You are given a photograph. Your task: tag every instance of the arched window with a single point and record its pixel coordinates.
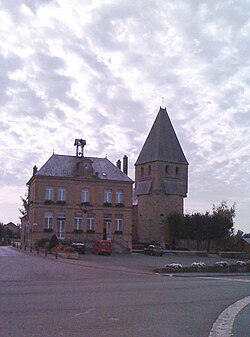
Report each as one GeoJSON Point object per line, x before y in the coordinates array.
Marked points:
{"type": "Point", "coordinates": [142, 171]}
{"type": "Point", "coordinates": [149, 170]}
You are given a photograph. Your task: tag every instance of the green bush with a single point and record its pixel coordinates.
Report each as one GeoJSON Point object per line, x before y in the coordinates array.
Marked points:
{"type": "Point", "coordinates": [42, 242]}
{"type": "Point", "coordinates": [53, 241]}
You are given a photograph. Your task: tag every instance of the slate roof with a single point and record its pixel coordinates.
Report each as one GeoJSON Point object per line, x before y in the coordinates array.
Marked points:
{"type": "Point", "coordinates": [162, 143]}
{"type": "Point", "coordinates": [174, 187]}
{"type": "Point", "coordinates": [143, 187]}
{"type": "Point", "coordinates": [247, 240]}
{"type": "Point", "coordinates": [64, 166]}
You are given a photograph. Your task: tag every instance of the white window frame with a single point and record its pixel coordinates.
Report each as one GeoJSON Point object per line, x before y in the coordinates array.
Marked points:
{"type": "Point", "coordinates": [85, 195]}
{"type": "Point", "coordinates": [49, 193]}
{"type": "Point", "coordinates": [91, 222]}
{"type": "Point", "coordinates": [107, 196]}
{"type": "Point", "coordinates": [61, 228]}
{"type": "Point", "coordinates": [118, 223]}
{"type": "Point", "coordinates": [61, 195]}
{"type": "Point", "coordinates": [48, 216]}
{"type": "Point", "coordinates": [118, 197]}
{"type": "Point", "coordinates": [78, 223]}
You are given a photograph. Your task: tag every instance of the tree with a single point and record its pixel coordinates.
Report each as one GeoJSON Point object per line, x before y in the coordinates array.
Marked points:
{"type": "Point", "coordinates": [222, 221]}
{"type": "Point", "coordinates": [25, 205]}
{"type": "Point", "coordinates": [1, 231]}
{"type": "Point", "coordinates": [198, 227]}
{"type": "Point", "coordinates": [175, 227]}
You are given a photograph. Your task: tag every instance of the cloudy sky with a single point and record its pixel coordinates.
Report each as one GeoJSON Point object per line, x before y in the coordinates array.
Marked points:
{"type": "Point", "coordinates": [98, 69]}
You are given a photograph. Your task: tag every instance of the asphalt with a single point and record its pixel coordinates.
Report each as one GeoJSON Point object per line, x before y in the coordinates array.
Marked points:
{"type": "Point", "coordinates": [137, 263]}
{"type": "Point", "coordinates": [143, 264]}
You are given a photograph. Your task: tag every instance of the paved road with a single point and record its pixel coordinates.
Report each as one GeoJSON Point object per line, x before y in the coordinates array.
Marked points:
{"type": "Point", "coordinates": [44, 297]}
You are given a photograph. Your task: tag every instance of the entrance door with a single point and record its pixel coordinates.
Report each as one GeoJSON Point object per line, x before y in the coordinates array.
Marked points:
{"type": "Point", "coordinates": [60, 229]}
{"type": "Point", "coordinates": [107, 230]}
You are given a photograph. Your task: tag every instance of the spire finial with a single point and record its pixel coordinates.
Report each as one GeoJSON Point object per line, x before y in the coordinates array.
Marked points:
{"type": "Point", "coordinates": [163, 106]}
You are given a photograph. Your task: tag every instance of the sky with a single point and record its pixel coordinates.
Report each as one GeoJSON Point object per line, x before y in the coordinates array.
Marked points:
{"type": "Point", "coordinates": [98, 69]}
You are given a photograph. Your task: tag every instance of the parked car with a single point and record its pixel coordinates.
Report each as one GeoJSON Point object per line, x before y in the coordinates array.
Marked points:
{"type": "Point", "coordinates": [102, 247]}
{"type": "Point", "coordinates": [153, 250]}
{"type": "Point", "coordinates": [79, 247]}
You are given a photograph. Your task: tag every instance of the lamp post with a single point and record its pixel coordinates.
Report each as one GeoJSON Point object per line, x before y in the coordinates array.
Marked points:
{"type": "Point", "coordinates": [31, 234]}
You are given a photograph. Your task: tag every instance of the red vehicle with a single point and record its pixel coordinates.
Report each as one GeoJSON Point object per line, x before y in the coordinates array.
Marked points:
{"type": "Point", "coordinates": [102, 247]}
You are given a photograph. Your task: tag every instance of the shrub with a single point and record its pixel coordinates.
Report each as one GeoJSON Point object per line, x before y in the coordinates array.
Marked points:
{"type": "Point", "coordinates": [173, 266]}
{"type": "Point", "coordinates": [199, 265]}
{"type": "Point", "coordinates": [42, 242]}
{"type": "Point", "coordinates": [69, 249]}
{"type": "Point", "coordinates": [53, 241]}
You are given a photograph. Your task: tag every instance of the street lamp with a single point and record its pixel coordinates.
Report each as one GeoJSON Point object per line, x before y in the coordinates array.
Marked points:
{"type": "Point", "coordinates": [31, 234]}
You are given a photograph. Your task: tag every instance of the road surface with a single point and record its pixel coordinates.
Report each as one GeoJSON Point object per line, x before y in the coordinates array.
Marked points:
{"type": "Point", "coordinates": [95, 297]}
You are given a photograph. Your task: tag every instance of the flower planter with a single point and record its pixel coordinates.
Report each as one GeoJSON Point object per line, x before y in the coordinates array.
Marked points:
{"type": "Point", "coordinates": [68, 255]}
{"type": "Point", "coordinates": [107, 204]}
{"type": "Point", "coordinates": [48, 230]}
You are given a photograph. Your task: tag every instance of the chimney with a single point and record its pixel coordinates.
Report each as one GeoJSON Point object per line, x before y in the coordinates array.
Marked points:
{"type": "Point", "coordinates": [125, 164]}
{"type": "Point", "coordinates": [119, 164]}
{"type": "Point", "coordinates": [34, 170]}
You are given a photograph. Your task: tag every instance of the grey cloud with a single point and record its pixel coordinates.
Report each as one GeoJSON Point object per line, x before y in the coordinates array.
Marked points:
{"type": "Point", "coordinates": [52, 63]}
{"type": "Point", "coordinates": [31, 104]}
{"type": "Point", "coordinates": [98, 117]}
{"type": "Point", "coordinates": [242, 118]}
{"type": "Point", "coordinates": [8, 65]}
{"type": "Point", "coordinates": [59, 114]}
{"type": "Point", "coordinates": [90, 58]}
{"type": "Point", "coordinates": [57, 87]}
{"type": "Point", "coordinates": [14, 6]}
{"type": "Point", "coordinates": [54, 84]}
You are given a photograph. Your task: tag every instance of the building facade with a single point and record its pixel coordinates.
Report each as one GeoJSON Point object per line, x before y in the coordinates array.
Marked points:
{"type": "Point", "coordinates": [85, 198]}
{"type": "Point", "coordinates": [161, 178]}
{"type": "Point", "coordinates": [79, 199]}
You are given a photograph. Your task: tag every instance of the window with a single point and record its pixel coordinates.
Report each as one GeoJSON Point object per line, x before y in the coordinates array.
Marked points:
{"type": "Point", "coordinates": [118, 197]}
{"type": "Point", "coordinates": [142, 171]}
{"type": "Point", "coordinates": [78, 223]}
{"type": "Point", "coordinates": [177, 170]}
{"type": "Point", "coordinates": [49, 193]}
{"type": "Point", "coordinates": [61, 194]}
{"type": "Point", "coordinates": [167, 169]}
{"type": "Point", "coordinates": [118, 223]}
{"type": "Point", "coordinates": [91, 222]}
{"type": "Point", "coordinates": [107, 196]}
{"type": "Point", "coordinates": [48, 220]}
{"type": "Point", "coordinates": [61, 223]}
{"type": "Point", "coordinates": [85, 195]}
{"type": "Point", "coordinates": [149, 170]}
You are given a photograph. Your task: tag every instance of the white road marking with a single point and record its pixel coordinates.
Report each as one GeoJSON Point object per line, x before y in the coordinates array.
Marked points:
{"type": "Point", "coordinates": [224, 279]}
{"type": "Point", "coordinates": [222, 327]}
{"type": "Point", "coordinates": [85, 312]}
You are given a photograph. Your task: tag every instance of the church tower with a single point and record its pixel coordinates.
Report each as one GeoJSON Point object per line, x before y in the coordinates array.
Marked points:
{"type": "Point", "coordinates": [161, 177]}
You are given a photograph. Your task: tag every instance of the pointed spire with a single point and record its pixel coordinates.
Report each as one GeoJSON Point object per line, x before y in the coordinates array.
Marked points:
{"type": "Point", "coordinates": [162, 143]}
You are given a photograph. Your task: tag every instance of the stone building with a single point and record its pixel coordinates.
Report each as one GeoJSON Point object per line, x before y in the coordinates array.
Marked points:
{"type": "Point", "coordinates": [80, 199]}
{"type": "Point", "coordinates": [84, 198]}
{"type": "Point", "coordinates": [161, 178]}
